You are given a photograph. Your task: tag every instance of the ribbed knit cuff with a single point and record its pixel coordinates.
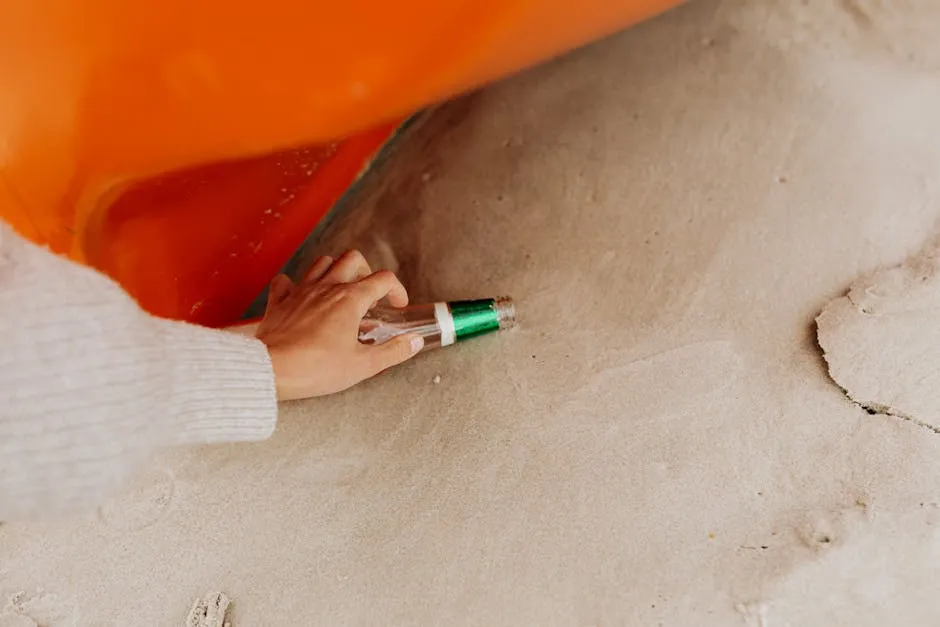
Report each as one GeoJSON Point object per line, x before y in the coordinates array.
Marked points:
{"type": "Point", "coordinates": [223, 385]}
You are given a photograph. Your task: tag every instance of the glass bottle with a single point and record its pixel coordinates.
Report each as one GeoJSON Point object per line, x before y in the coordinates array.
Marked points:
{"type": "Point", "coordinates": [440, 324]}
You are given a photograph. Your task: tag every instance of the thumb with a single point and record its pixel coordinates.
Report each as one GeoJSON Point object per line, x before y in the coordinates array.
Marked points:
{"type": "Point", "coordinates": [395, 351]}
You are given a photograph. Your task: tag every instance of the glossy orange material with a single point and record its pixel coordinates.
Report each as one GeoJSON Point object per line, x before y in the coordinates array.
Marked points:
{"type": "Point", "coordinates": [221, 226]}
{"type": "Point", "coordinates": [99, 97]}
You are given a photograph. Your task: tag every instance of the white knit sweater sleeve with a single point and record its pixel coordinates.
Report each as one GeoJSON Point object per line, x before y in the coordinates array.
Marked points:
{"type": "Point", "coordinates": [91, 386]}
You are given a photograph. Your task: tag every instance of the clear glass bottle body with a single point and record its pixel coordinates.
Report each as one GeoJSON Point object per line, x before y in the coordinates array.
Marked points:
{"type": "Point", "coordinates": [382, 324]}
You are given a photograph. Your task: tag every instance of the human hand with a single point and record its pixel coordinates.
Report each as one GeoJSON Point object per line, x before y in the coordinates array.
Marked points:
{"type": "Point", "coordinates": [311, 328]}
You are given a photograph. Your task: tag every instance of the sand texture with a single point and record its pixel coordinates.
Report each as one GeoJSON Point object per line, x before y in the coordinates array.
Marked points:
{"type": "Point", "coordinates": [882, 340]}
{"type": "Point", "coordinates": [209, 610]}
{"type": "Point", "coordinates": [660, 442]}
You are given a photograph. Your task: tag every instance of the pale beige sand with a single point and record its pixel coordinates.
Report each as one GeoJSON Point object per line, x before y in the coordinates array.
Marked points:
{"type": "Point", "coordinates": [659, 443]}
{"type": "Point", "coordinates": [882, 340]}
{"type": "Point", "coordinates": [209, 610]}
{"type": "Point", "coordinates": [38, 609]}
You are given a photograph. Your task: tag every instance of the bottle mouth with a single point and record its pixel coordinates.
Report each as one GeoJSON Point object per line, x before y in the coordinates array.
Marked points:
{"type": "Point", "coordinates": [505, 312]}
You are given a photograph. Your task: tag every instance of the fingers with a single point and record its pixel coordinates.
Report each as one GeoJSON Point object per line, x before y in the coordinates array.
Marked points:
{"type": "Point", "coordinates": [278, 290]}
{"type": "Point", "coordinates": [318, 269]}
{"type": "Point", "coordinates": [350, 267]}
{"type": "Point", "coordinates": [393, 352]}
{"type": "Point", "coordinates": [382, 284]}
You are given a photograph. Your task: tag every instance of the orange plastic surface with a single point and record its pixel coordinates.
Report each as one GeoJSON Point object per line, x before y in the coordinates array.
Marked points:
{"type": "Point", "coordinates": [222, 225]}
{"type": "Point", "coordinates": [98, 97]}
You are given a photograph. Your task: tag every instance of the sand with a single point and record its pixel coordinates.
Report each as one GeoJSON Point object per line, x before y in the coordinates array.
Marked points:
{"type": "Point", "coordinates": [882, 340]}
{"type": "Point", "coordinates": [659, 443]}
{"type": "Point", "coordinates": [209, 610]}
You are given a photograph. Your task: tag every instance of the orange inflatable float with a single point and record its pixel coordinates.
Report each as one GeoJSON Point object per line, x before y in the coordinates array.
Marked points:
{"type": "Point", "coordinates": [188, 148]}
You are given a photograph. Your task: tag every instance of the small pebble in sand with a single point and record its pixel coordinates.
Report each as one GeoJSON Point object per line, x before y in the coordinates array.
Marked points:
{"type": "Point", "coordinates": [436, 379]}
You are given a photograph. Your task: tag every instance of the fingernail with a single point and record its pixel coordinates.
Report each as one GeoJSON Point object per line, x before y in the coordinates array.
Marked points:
{"type": "Point", "coordinates": [417, 343]}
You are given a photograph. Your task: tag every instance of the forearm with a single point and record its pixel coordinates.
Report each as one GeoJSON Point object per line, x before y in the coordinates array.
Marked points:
{"type": "Point", "coordinates": [91, 386]}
